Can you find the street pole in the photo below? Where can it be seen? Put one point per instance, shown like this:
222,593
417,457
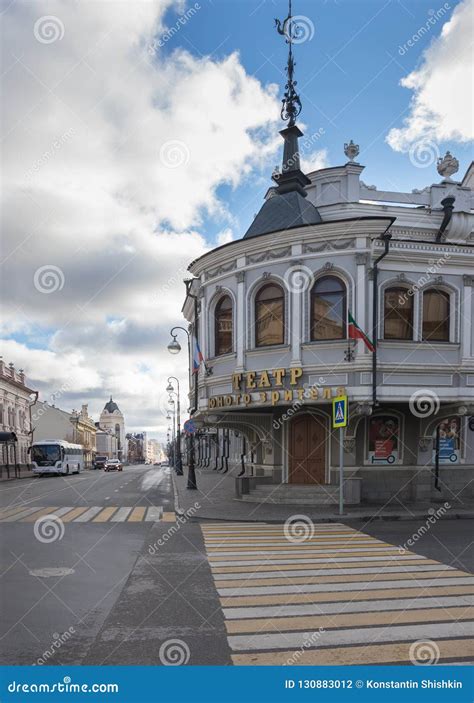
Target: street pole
179,459
191,467
341,471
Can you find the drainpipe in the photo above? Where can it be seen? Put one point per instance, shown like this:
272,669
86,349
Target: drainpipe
448,207
385,237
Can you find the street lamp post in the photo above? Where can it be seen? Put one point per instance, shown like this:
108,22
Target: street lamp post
173,437
174,347
170,389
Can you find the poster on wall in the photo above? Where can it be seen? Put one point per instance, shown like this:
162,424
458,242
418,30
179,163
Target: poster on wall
384,440
449,441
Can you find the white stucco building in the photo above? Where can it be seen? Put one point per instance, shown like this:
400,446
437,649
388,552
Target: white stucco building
16,398
112,419
274,315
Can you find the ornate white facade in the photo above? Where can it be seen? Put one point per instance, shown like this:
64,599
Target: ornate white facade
15,400
112,419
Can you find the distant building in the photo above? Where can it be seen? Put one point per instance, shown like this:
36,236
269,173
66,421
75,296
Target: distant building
50,422
106,443
136,447
112,419
15,403
153,451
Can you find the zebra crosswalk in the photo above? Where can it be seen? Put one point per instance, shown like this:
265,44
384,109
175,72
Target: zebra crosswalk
336,596
93,514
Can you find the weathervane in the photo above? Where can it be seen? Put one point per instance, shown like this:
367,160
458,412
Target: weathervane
291,107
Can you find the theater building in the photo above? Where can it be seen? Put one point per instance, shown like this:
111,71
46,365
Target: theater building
273,310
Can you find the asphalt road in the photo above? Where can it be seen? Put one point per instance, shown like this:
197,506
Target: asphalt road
117,578
123,588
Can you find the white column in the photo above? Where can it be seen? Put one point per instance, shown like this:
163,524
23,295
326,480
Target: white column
466,318
240,335
360,303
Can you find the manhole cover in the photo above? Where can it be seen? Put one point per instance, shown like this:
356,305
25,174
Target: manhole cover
49,572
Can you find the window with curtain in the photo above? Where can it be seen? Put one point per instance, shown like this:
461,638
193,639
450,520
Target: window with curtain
270,316
223,326
436,316
328,309
398,314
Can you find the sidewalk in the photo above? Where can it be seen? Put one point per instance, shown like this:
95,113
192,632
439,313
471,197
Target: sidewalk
215,500
23,473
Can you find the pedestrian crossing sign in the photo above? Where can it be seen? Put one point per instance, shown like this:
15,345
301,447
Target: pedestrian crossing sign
339,411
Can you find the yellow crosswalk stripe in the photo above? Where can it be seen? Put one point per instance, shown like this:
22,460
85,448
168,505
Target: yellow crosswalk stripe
169,517
104,515
338,597
34,516
345,656
136,515
73,514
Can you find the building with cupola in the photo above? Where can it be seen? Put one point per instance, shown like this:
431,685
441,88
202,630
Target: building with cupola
112,419
339,288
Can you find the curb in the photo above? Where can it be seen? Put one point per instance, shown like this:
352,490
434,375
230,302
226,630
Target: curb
339,518
177,507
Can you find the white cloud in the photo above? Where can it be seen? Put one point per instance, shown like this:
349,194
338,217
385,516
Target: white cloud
314,161
112,158
441,106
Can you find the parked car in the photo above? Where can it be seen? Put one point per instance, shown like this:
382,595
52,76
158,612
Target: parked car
157,463
99,462
113,465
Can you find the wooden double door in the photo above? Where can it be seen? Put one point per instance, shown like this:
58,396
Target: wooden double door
307,450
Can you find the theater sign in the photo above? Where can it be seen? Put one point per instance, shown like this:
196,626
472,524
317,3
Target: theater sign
274,387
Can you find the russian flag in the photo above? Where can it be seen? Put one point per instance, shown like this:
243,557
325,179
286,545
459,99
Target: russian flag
197,357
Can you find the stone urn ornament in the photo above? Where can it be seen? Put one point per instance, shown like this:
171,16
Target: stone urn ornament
351,150
447,166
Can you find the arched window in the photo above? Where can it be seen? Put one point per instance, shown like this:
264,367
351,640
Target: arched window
223,326
398,314
270,316
328,309
436,315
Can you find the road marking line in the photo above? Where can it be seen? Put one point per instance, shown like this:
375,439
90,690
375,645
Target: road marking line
283,599
7,512
17,516
344,656
137,515
267,567
121,515
169,517
339,578
300,551
229,561
350,620
287,576
364,635
74,513
154,513
280,611
338,587
92,512
104,515
39,513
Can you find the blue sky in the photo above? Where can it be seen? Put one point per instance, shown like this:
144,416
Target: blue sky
348,75
124,159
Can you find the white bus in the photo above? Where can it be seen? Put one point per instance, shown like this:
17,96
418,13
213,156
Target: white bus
55,456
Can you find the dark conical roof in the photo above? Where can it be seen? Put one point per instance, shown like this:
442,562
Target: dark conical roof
111,406
283,211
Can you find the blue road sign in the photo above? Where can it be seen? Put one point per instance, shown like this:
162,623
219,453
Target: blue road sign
339,411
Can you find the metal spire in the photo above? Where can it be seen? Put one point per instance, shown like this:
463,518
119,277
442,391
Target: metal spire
291,106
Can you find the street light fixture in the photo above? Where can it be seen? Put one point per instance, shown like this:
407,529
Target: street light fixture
174,347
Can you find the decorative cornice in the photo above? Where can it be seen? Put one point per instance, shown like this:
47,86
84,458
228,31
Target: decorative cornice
328,246
223,268
269,255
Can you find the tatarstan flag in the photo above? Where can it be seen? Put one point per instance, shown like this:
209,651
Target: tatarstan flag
355,332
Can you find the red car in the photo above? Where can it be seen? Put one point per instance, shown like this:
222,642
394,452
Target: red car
113,465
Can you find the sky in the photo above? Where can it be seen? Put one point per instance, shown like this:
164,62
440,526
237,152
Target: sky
137,136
